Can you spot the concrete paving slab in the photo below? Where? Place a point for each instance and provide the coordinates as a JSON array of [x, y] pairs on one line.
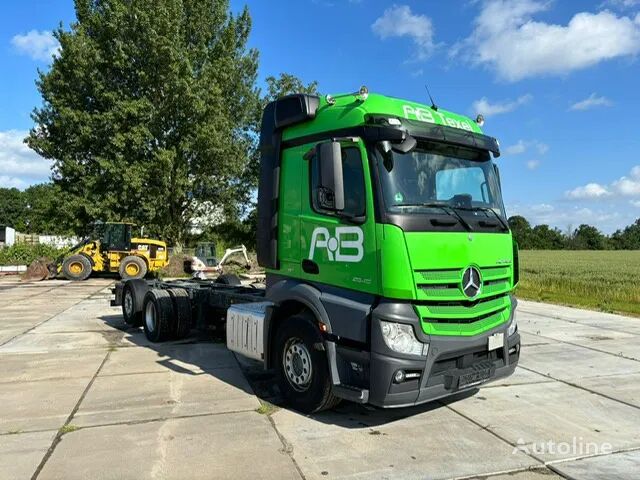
[[190, 358], [135, 397], [617, 466], [27, 367], [569, 362], [565, 331], [532, 415], [82, 318], [539, 474], [53, 342], [20, 454], [235, 446], [529, 339], [8, 334], [626, 347], [609, 321], [42, 405], [418, 443], [621, 387]]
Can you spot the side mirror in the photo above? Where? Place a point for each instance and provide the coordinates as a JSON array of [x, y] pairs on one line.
[[329, 155]]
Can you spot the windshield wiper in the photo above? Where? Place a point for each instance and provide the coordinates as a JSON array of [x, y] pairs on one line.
[[445, 208], [487, 209]]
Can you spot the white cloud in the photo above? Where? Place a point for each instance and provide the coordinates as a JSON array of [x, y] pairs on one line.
[[624, 4], [591, 101], [486, 108], [38, 45], [564, 215], [19, 165], [533, 164], [626, 186], [590, 190], [400, 21], [507, 39], [524, 145]]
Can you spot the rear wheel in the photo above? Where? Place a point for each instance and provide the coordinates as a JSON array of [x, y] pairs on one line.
[[76, 267], [303, 373], [182, 309], [133, 294], [158, 315], [132, 267]]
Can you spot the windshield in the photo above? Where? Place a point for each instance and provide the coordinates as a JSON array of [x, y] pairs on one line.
[[433, 176]]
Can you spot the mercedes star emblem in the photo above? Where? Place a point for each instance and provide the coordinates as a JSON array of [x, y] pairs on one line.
[[471, 282]]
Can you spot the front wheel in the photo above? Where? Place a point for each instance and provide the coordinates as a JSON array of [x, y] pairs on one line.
[[303, 373]]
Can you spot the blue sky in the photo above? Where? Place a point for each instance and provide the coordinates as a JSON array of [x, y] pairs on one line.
[[558, 83]]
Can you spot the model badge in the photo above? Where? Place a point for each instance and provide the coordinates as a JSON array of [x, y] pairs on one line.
[[471, 282]]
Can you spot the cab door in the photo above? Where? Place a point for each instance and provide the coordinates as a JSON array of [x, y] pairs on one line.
[[339, 248]]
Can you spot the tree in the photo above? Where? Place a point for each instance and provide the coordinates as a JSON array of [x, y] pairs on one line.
[[287, 84], [627, 239], [545, 238], [586, 237], [521, 229], [46, 210], [12, 208], [147, 111]]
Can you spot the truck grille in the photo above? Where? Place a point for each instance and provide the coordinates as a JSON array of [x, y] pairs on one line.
[[444, 308]]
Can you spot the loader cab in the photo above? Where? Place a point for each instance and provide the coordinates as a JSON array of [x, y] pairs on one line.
[[115, 236]]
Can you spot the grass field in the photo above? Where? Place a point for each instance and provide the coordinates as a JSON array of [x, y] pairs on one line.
[[600, 280]]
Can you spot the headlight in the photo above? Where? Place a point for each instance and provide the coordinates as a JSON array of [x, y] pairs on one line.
[[513, 327], [400, 338]]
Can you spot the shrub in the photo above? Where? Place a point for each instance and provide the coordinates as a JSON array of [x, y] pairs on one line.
[[25, 253]]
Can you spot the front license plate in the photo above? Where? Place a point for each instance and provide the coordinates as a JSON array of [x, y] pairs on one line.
[[496, 341], [474, 378]]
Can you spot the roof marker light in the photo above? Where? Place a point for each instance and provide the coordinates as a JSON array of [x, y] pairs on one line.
[[330, 100], [363, 93], [480, 119], [394, 121]]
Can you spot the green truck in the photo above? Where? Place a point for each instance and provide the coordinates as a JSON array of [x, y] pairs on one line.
[[390, 267]]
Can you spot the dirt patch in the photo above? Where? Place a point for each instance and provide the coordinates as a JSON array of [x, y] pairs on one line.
[[176, 267]]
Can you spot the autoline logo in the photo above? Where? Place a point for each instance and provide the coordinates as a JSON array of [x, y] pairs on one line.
[[339, 249]]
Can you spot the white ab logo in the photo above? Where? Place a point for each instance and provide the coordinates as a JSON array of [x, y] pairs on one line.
[[322, 239]]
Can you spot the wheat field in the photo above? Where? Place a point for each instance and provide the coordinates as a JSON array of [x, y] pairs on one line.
[[601, 280]]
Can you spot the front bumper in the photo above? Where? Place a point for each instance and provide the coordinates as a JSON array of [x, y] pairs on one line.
[[438, 374]]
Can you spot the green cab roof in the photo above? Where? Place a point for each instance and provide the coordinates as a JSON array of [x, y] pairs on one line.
[[347, 110]]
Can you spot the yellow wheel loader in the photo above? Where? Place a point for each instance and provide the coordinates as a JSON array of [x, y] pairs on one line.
[[110, 248]]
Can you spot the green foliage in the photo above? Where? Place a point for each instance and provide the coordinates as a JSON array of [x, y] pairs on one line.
[[585, 237], [12, 208], [148, 110], [25, 253], [287, 84], [602, 280], [40, 209]]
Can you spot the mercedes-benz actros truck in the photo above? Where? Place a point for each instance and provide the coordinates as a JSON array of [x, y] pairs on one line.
[[390, 266]]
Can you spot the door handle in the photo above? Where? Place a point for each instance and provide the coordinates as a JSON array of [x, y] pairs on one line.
[[309, 266]]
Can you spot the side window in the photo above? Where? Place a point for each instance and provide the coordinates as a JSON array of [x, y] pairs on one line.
[[353, 176], [461, 181]]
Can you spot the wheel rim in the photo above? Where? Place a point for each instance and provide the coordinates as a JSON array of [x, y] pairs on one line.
[[76, 268], [128, 303], [296, 361], [150, 316], [132, 269]]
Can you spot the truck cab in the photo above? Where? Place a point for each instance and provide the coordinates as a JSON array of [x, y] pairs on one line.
[[388, 257]]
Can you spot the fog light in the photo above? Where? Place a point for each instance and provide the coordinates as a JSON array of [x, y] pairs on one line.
[[398, 377], [513, 328]]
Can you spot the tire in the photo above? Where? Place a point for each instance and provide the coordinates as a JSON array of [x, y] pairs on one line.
[[132, 267], [133, 294], [228, 279], [307, 390], [76, 267], [157, 315], [182, 309]]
